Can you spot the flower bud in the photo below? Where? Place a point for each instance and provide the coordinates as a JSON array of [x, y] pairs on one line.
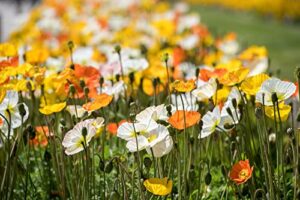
[[86, 91], [109, 167], [117, 77], [258, 112], [147, 162], [82, 83], [297, 72], [22, 110], [72, 66], [101, 81], [118, 49], [197, 72], [131, 77], [84, 132], [101, 165], [274, 98], [47, 156], [208, 178], [165, 57], [70, 45], [28, 85], [169, 109], [72, 89], [234, 102]]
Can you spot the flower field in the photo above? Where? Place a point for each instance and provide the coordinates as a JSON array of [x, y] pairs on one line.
[[108, 99]]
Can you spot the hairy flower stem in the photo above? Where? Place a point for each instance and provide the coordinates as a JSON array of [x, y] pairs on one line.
[[185, 153]]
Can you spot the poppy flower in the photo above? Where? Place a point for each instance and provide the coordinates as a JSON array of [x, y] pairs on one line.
[[177, 119], [102, 100], [74, 141], [283, 90], [112, 128], [284, 111], [41, 134], [8, 50], [241, 172], [183, 86], [159, 186], [54, 108], [251, 85], [234, 77], [205, 90], [210, 120]]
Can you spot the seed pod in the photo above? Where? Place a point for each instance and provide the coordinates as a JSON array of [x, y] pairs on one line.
[[22, 110], [101, 165], [208, 178], [109, 167], [114, 195], [147, 162]]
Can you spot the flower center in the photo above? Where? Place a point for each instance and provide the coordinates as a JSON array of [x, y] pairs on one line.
[[244, 173]]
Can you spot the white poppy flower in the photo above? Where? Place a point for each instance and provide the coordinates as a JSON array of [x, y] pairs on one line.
[[134, 65], [210, 120], [74, 140], [116, 90], [189, 42], [72, 109], [153, 112], [206, 90], [128, 131], [283, 89], [10, 109], [162, 145], [189, 102]]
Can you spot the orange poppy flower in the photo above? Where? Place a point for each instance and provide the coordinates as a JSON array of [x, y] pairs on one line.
[[177, 119], [241, 172], [234, 77], [42, 132], [181, 86], [100, 101], [206, 74], [10, 62]]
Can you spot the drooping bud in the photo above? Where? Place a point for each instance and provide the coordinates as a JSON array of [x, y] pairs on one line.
[[84, 132], [22, 110]]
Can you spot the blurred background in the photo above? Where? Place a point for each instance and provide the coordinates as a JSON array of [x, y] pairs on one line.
[[272, 23]]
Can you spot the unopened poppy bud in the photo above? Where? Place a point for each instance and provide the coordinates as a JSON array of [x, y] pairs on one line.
[[72, 89], [72, 66], [101, 165], [234, 102], [297, 72], [208, 178], [114, 195], [143, 49], [298, 117], [118, 49], [147, 162], [86, 91], [31, 132], [258, 112], [117, 77], [131, 77], [22, 110], [29, 86], [109, 167], [84, 131], [229, 112], [82, 83], [197, 72], [169, 109], [70, 45], [165, 57], [62, 122], [47, 156], [274, 98], [101, 81], [233, 146]]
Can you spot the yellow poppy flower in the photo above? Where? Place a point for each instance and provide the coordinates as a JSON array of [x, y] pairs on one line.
[[7, 50], [38, 55], [149, 89], [54, 108], [182, 86], [159, 186], [284, 111], [252, 84], [221, 95], [234, 77], [254, 52], [230, 66]]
